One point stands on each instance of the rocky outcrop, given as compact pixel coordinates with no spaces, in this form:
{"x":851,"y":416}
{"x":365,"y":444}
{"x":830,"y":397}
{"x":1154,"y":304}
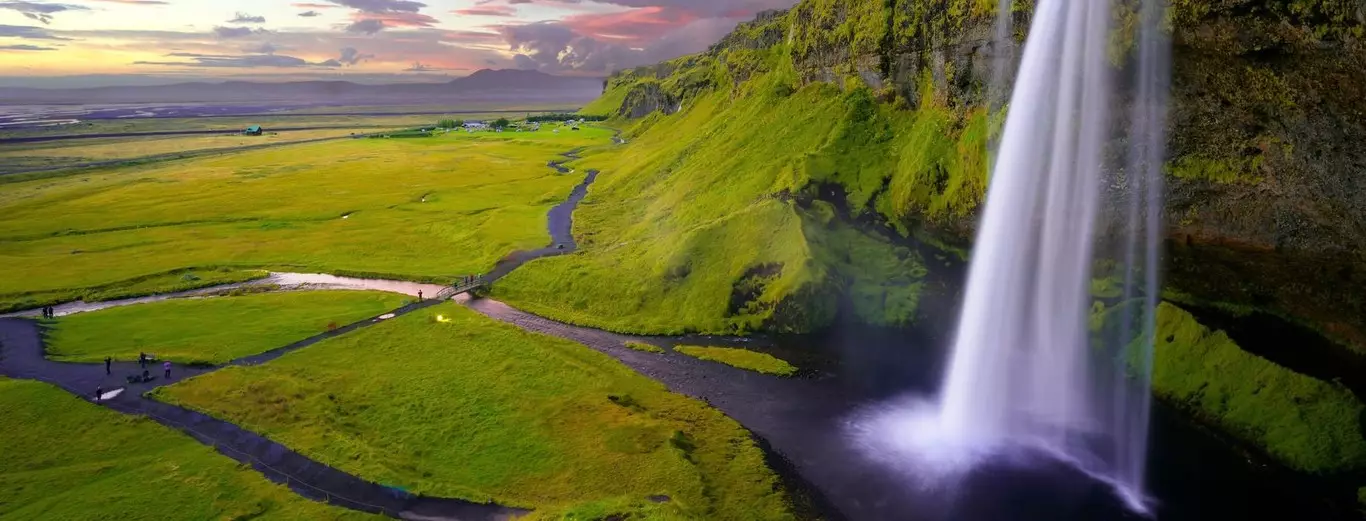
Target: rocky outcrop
{"x":1266,"y":199}
{"x":645,"y":99}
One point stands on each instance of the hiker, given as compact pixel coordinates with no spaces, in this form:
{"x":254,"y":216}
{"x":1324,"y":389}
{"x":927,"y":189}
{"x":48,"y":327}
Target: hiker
{"x":99,"y":393}
{"x":142,"y":360}
{"x":419,"y":294}
{"x":146,"y":376}
{"x":167,"y":367}
{"x":108,"y":363}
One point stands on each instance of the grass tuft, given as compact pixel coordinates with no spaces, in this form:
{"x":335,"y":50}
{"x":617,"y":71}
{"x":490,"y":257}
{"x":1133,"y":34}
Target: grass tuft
{"x":642,"y":346}
{"x":741,"y":358}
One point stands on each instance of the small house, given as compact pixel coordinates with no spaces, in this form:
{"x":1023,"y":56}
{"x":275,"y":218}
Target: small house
{"x":254,"y":130}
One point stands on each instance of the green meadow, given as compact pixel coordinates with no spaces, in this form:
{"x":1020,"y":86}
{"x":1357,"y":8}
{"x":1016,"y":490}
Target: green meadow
{"x":477,"y":409}
{"x":65,"y":459}
{"x":211,"y":330}
{"x":424,"y":209}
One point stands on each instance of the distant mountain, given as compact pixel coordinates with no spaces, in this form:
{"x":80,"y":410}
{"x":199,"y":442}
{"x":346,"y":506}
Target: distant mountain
{"x":483,"y":85}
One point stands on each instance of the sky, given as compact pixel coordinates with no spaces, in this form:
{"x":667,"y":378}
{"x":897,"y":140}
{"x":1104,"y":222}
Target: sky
{"x":88,"y":42}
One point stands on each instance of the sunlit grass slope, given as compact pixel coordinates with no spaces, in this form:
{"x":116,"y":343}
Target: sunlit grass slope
{"x":1309,"y":424}
{"x":706,"y":221}
{"x":432,"y":208}
{"x":212,"y":330}
{"x":482,"y":410}
{"x":65,"y":459}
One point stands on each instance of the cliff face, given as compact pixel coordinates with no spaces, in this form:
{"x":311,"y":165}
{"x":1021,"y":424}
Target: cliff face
{"x":1267,"y":130}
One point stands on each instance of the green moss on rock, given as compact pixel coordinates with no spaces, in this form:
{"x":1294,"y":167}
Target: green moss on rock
{"x":1311,"y":425}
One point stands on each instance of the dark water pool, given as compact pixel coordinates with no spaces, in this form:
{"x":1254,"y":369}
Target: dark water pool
{"x":1193,"y":473}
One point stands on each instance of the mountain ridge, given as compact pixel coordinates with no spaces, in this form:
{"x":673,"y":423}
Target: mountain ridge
{"x":500,"y":83}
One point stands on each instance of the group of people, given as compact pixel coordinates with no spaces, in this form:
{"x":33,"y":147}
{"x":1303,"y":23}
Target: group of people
{"x":470,"y":280}
{"x":146,"y":376}
{"x":49,"y":312}
{"x":142,"y":362}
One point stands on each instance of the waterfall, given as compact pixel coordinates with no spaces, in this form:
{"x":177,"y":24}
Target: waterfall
{"x":1026,"y":372}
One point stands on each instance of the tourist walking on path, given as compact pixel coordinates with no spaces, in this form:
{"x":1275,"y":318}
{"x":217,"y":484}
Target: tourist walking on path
{"x":99,"y":393}
{"x":142,"y":360}
{"x":167,"y":367}
{"x":108,"y":363}
{"x":419,"y":294}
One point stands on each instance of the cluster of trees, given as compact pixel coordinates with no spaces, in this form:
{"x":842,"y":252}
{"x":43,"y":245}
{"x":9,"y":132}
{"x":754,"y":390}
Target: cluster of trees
{"x":563,"y":117}
{"x":460,"y":123}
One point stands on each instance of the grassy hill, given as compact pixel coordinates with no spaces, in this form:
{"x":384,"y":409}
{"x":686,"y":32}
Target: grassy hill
{"x":714,"y":219}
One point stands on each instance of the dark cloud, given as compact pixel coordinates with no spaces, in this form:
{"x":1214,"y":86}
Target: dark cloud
{"x":31,"y":33}
{"x":310,"y":14}
{"x":653,"y":31}
{"x":350,"y":56}
{"x":244,"y":18}
{"x":382,"y":6}
{"x":706,"y":8}
{"x":368,"y":26}
{"x":234,"y":32}
{"x":24,"y":47}
{"x":40,"y":11}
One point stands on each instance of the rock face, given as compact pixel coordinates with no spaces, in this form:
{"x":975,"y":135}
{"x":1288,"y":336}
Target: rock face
{"x":646,"y":98}
{"x":1266,"y":195}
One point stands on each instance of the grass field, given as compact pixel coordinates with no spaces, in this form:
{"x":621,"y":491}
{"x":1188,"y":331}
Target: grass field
{"x":213,"y":330}
{"x":65,"y":459}
{"x":56,"y":154}
{"x":482,"y":410}
{"x":741,"y":358}
{"x":1311,"y":425}
{"x":234,"y":123}
{"x":430,"y":209}
{"x":700,"y":224}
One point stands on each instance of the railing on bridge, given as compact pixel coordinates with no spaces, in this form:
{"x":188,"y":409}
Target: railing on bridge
{"x":461,"y":287}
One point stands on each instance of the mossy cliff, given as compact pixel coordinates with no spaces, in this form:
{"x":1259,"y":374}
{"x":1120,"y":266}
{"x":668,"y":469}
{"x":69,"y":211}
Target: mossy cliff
{"x":1267,"y":130}
{"x":776,"y":178}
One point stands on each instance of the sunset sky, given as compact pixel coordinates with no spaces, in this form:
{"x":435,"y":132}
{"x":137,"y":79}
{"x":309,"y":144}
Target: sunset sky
{"x":130,"y":41}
